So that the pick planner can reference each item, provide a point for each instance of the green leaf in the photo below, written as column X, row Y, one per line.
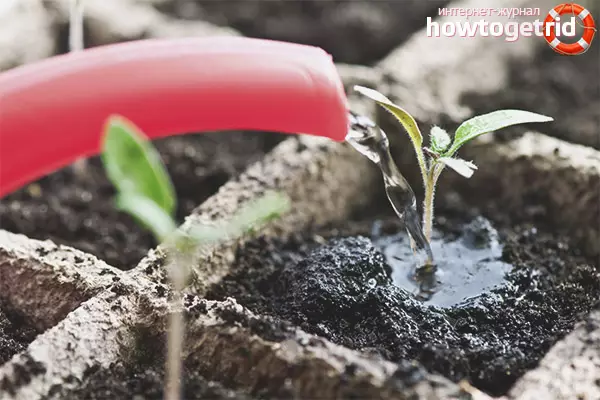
column 259, row 212
column 493, row 121
column 464, row 168
column 133, row 164
column 207, row 234
column 255, row 214
column 407, row 121
column 147, row 213
column 439, row 138
column 198, row 235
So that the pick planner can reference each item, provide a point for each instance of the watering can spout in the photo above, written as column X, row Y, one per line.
column 53, row 111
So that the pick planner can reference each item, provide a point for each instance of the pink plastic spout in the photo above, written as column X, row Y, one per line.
column 53, row 111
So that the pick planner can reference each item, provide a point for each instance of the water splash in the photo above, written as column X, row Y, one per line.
column 372, row 283
column 369, row 140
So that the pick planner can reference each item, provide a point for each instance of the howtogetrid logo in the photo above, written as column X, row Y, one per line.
column 552, row 25
column 560, row 22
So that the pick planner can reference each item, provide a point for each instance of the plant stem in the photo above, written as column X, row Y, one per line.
column 422, row 164
column 175, row 345
column 428, row 205
column 175, row 334
column 430, row 183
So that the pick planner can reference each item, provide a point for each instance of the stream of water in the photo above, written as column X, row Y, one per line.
column 369, row 140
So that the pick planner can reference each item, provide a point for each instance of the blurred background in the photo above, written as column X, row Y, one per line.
column 366, row 39
column 358, row 32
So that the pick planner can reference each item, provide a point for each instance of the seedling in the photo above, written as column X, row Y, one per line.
column 145, row 191
column 442, row 148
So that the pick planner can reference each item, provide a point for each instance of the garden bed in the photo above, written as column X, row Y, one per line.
column 342, row 289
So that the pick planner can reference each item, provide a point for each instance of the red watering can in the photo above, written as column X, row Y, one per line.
column 52, row 112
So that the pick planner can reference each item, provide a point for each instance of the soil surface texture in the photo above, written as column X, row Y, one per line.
column 15, row 335
column 143, row 377
column 352, row 31
column 565, row 88
column 119, row 382
column 77, row 209
column 336, row 283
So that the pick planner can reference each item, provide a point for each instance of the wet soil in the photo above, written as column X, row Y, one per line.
column 15, row 335
column 78, row 210
column 464, row 267
column 323, row 283
column 120, row 382
column 565, row 88
column 352, row 31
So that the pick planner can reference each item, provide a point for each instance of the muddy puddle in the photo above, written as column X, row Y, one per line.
column 466, row 267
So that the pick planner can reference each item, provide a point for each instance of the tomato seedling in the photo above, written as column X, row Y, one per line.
column 441, row 153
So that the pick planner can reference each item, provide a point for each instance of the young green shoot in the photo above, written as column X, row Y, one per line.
column 145, row 191
column 442, row 149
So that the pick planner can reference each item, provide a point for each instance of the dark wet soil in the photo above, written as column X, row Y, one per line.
column 352, row 31
column 119, row 382
column 78, row 210
column 565, row 88
column 15, row 335
column 323, row 283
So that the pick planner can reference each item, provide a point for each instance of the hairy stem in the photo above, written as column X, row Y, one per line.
column 422, row 164
column 428, row 203
column 429, row 185
column 438, row 171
